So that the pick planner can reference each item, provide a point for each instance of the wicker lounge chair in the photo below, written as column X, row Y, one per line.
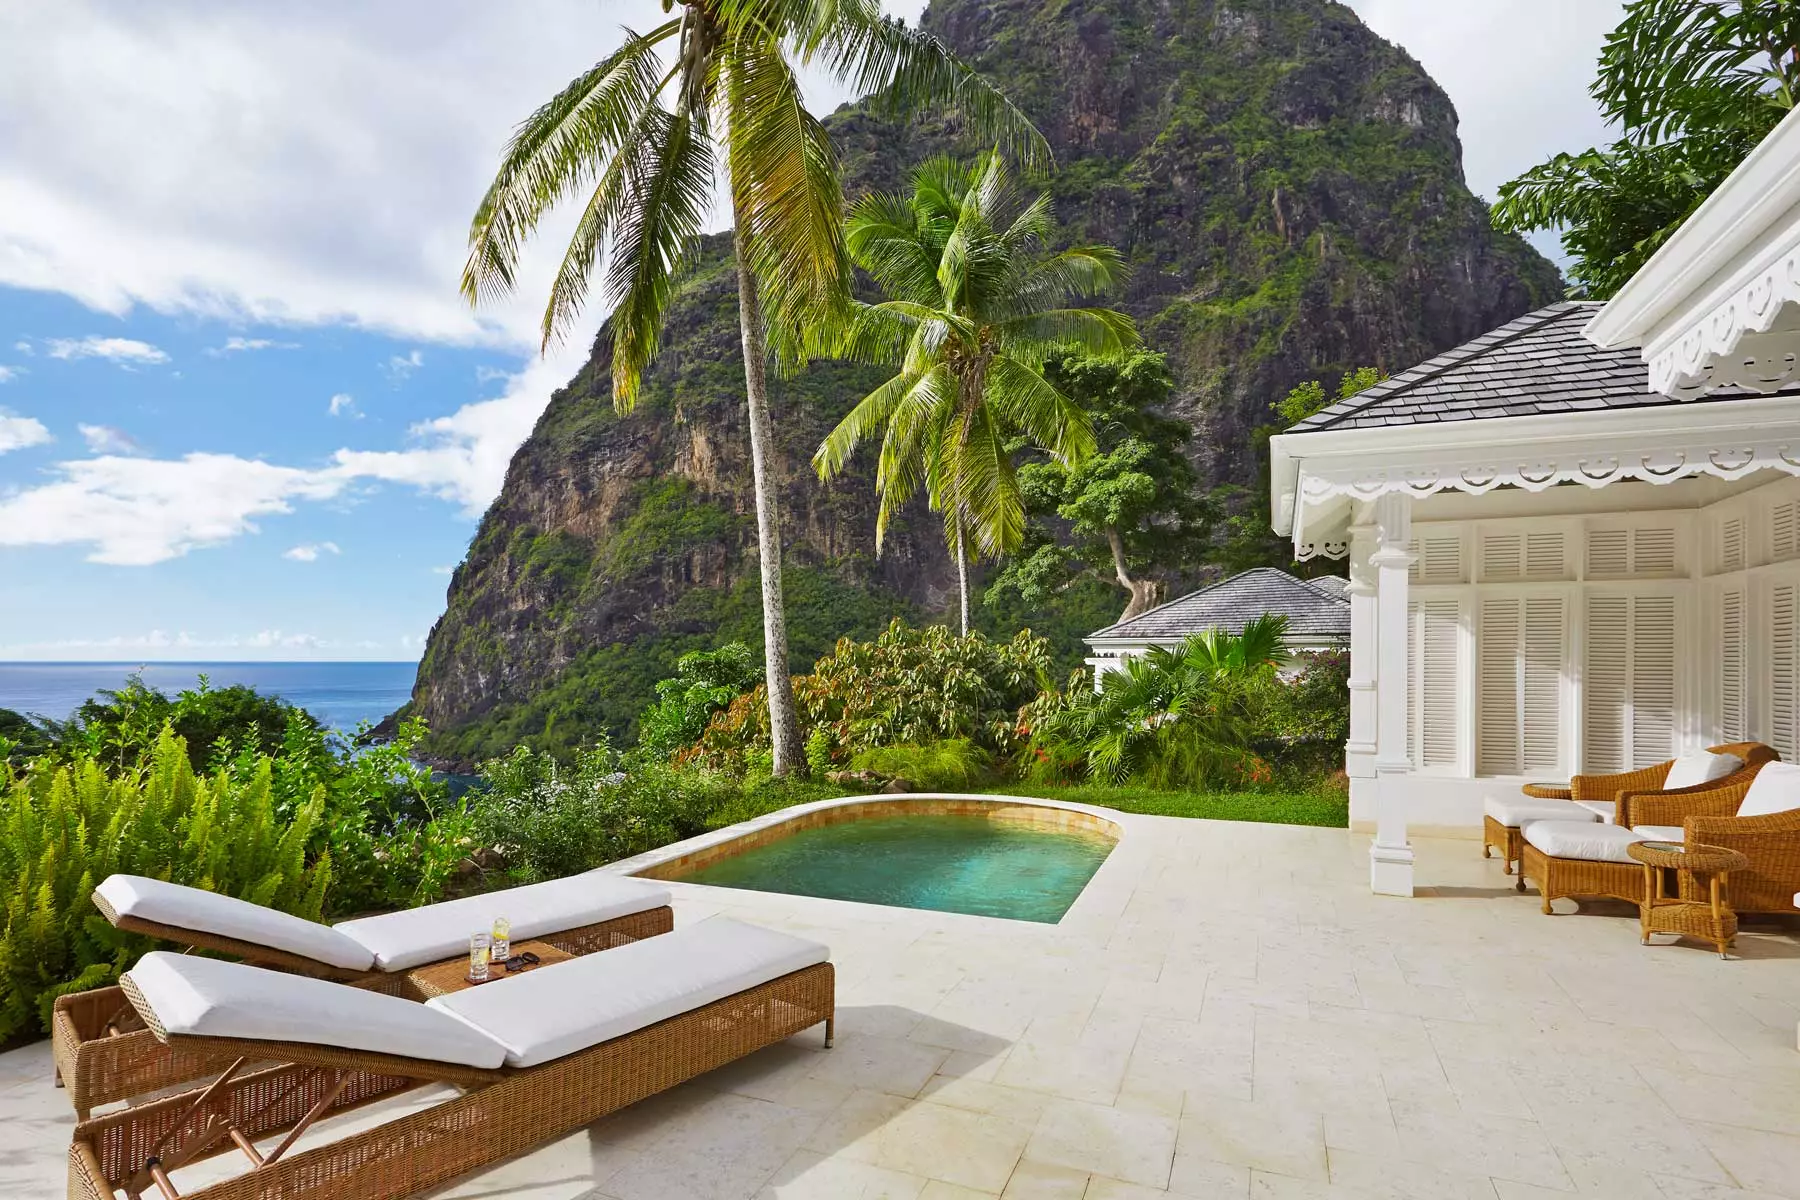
column 1759, row 817
column 104, row 1053
column 535, row 1058
column 1602, row 792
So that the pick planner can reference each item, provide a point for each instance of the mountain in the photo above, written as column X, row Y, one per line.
column 1288, row 189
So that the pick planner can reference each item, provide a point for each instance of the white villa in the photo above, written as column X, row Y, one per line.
column 1574, row 543
column 1317, row 612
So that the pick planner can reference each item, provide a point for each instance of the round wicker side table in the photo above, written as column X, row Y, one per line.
column 1711, row 919
column 1548, row 791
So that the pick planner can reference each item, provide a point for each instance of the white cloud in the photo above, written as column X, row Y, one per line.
column 138, row 511
column 18, row 433
column 22, row 346
column 7, row 374
column 162, row 639
column 239, row 345
column 108, row 439
column 401, row 366
column 343, row 404
column 443, row 570
column 114, row 349
column 310, row 551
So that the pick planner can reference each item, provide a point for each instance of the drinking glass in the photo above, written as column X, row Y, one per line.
column 479, row 945
column 502, row 940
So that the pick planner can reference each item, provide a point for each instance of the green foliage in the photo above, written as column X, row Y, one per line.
column 550, row 819
column 21, row 738
column 64, row 828
column 1693, row 85
column 1319, row 805
column 1303, row 719
column 908, row 685
column 1309, row 397
column 1184, row 717
column 1137, row 493
column 705, row 681
column 119, row 728
column 670, row 518
column 950, row 765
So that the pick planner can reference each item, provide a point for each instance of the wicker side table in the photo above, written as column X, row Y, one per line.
column 1712, row 919
column 440, row 979
column 1548, row 791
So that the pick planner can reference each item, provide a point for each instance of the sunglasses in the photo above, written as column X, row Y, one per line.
column 520, row 961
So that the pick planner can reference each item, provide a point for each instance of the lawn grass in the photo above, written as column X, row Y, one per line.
column 1279, row 808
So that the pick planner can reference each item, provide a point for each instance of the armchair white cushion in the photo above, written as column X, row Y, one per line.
column 183, row 907
column 1700, row 766
column 1515, row 812
column 1579, row 840
column 1776, row 789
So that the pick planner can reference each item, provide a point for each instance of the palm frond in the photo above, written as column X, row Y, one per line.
column 872, row 412
column 1099, row 331
column 555, row 152
column 1023, row 399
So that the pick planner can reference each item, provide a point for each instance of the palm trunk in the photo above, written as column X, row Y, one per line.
column 784, row 724
column 1143, row 591
column 962, row 577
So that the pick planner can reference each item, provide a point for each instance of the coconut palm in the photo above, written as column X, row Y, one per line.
column 648, row 133
column 976, row 305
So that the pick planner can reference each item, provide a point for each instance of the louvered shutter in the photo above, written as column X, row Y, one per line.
column 1784, row 673
column 1782, row 532
column 1621, row 553
column 1544, row 557
column 1502, row 556
column 1629, row 681
column 1519, row 692
column 1731, row 666
column 1608, row 552
column 1437, row 558
column 1731, row 545
column 1432, row 688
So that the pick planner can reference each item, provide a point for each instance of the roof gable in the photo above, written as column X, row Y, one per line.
column 1536, row 365
column 1312, row 611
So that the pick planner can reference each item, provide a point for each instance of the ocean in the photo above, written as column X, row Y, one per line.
column 341, row 695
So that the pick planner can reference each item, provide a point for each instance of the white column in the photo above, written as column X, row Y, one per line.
column 1391, row 855
column 1359, row 751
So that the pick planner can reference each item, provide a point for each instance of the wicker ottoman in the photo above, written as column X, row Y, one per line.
column 1504, row 816
column 1582, row 858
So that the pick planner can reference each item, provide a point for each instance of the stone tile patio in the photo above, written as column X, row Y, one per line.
column 1227, row 1012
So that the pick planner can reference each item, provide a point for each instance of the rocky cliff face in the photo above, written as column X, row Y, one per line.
column 1288, row 188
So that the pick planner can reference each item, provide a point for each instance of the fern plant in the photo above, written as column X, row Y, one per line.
column 63, row 830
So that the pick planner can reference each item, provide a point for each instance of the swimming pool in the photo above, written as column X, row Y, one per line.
column 950, row 862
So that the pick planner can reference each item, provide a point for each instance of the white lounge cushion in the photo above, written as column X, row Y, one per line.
column 209, row 998
column 1661, row 833
column 1603, row 810
column 208, row 912
column 402, row 940
column 1514, row 812
column 1700, row 766
column 1776, row 789
column 547, row 1013
column 1587, row 841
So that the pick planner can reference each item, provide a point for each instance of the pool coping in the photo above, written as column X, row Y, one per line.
column 1090, row 902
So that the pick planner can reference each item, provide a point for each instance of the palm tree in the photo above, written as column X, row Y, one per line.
column 1177, row 717
column 975, row 307
column 647, row 141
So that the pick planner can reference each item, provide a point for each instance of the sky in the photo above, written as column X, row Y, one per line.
column 244, row 412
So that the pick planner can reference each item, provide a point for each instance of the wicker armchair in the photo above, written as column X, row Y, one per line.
column 1648, row 781
column 1771, row 843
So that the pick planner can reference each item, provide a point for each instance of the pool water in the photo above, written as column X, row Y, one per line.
column 947, row 863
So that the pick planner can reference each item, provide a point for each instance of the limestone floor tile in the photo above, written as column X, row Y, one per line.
column 1041, row 1181
column 1480, row 1143
column 1204, row 1180
column 878, row 1063
column 1768, row 1104
column 937, row 1189
column 1203, row 1056
column 1018, row 1105
column 808, row 1175
column 726, row 1149
column 1406, row 1180
column 1131, row 1146
column 1261, row 1136
column 1266, row 1185
column 1091, row 1067
column 1758, row 1160
column 1631, row 1126
column 974, row 1150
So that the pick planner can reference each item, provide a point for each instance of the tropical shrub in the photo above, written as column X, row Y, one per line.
column 940, row 766
column 1182, row 717
column 119, row 728
column 549, row 819
column 64, row 828
column 909, row 686
column 705, row 681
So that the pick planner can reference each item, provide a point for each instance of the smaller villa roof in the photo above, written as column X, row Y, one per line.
column 1315, row 609
column 1536, row 365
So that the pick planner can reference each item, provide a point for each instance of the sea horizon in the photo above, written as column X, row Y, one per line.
column 341, row 693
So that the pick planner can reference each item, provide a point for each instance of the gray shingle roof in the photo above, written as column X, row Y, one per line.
column 1312, row 611
column 1536, row 365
